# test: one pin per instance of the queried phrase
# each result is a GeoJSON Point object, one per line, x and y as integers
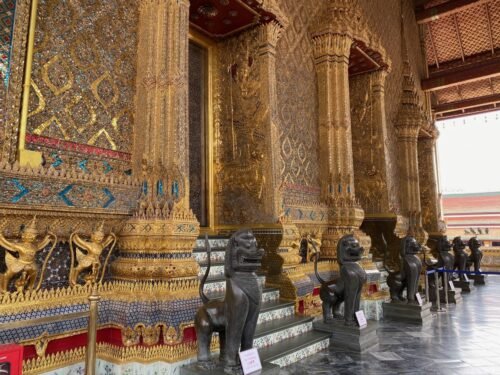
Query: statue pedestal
{"type": "Point", "coordinates": [404, 312]}
{"type": "Point", "coordinates": [478, 279]}
{"type": "Point", "coordinates": [466, 286]}
{"type": "Point", "coordinates": [193, 369]}
{"type": "Point", "coordinates": [454, 296]}
{"type": "Point", "coordinates": [350, 337]}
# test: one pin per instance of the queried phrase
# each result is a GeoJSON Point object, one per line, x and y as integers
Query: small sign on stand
{"type": "Point", "coordinates": [250, 361]}
{"type": "Point", "coordinates": [452, 286]}
{"type": "Point", "coordinates": [361, 318]}
{"type": "Point", "coordinates": [419, 299]}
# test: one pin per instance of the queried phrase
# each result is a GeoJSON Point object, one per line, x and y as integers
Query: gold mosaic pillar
{"type": "Point", "coordinates": [407, 130]}
{"type": "Point", "coordinates": [156, 244]}
{"type": "Point", "coordinates": [373, 164]}
{"type": "Point", "coordinates": [429, 190]}
{"type": "Point", "coordinates": [372, 169]}
{"type": "Point", "coordinates": [410, 120]}
{"type": "Point", "coordinates": [280, 240]}
{"type": "Point", "coordinates": [161, 136]}
{"type": "Point", "coordinates": [269, 35]}
{"type": "Point", "coordinates": [332, 42]}
{"type": "Point", "coordinates": [380, 125]}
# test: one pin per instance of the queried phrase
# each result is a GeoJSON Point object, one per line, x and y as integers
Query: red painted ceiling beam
{"type": "Point", "coordinates": [442, 10]}
{"type": "Point", "coordinates": [462, 74]}
{"type": "Point", "coordinates": [468, 103]}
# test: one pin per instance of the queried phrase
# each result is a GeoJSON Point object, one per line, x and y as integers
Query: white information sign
{"type": "Point", "coordinates": [452, 286]}
{"type": "Point", "coordinates": [361, 318]}
{"type": "Point", "coordinates": [419, 299]}
{"type": "Point", "coordinates": [250, 361]}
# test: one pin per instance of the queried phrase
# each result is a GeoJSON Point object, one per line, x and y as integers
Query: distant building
{"type": "Point", "coordinates": [469, 215]}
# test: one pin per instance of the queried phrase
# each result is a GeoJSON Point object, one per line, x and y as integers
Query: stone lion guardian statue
{"type": "Point", "coordinates": [235, 317]}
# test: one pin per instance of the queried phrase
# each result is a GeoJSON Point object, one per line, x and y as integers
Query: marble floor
{"type": "Point", "coordinates": [463, 340]}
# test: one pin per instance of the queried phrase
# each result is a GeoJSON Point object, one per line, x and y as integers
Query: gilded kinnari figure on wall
{"type": "Point", "coordinates": [19, 259]}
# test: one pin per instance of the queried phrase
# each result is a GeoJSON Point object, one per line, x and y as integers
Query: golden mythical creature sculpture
{"type": "Point", "coordinates": [20, 258]}
{"type": "Point", "coordinates": [87, 255]}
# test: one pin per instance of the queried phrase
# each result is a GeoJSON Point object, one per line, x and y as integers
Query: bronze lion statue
{"type": "Point", "coordinates": [347, 288]}
{"type": "Point", "coordinates": [235, 317]}
{"type": "Point", "coordinates": [476, 255]}
{"type": "Point", "coordinates": [460, 257]}
{"type": "Point", "coordinates": [408, 275]}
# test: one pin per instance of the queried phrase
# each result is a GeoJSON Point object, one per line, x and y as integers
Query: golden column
{"type": "Point", "coordinates": [408, 126]}
{"type": "Point", "coordinates": [410, 120]}
{"type": "Point", "coordinates": [380, 126]}
{"type": "Point", "coordinates": [429, 187]}
{"type": "Point", "coordinates": [90, 359]}
{"type": "Point", "coordinates": [281, 236]}
{"type": "Point", "coordinates": [374, 169]}
{"type": "Point", "coordinates": [269, 35]}
{"type": "Point", "coordinates": [156, 244]}
{"type": "Point", "coordinates": [332, 42]}
{"type": "Point", "coordinates": [161, 137]}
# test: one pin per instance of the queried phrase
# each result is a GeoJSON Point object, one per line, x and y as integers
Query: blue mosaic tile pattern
{"type": "Point", "coordinates": [33, 332]}
{"type": "Point", "coordinates": [35, 314]}
{"type": "Point", "coordinates": [58, 193]}
{"type": "Point", "coordinates": [121, 313]}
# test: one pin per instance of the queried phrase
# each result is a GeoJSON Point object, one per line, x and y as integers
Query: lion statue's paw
{"type": "Point", "coordinates": [206, 365]}
{"type": "Point", "coordinates": [233, 370]}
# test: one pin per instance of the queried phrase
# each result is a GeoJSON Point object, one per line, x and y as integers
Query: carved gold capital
{"type": "Point", "coordinates": [272, 7]}
{"type": "Point", "coordinates": [341, 17]}
{"type": "Point", "coordinates": [409, 124]}
{"type": "Point", "coordinates": [328, 44]}
{"type": "Point", "coordinates": [378, 79]}
{"type": "Point", "coordinates": [269, 34]}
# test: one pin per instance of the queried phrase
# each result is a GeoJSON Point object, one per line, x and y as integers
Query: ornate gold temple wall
{"type": "Point", "coordinates": [241, 156]}
{"type": "Point", "coordinates": [240, 138]}
{"type": "Point", "coordinates": [79, 117]}
{"type": "Point", "coordinates": [12, 89]}
{"type": "Point", "coordinates": [298, 112]}
{"type": "Point", "coordinates": [93, 92]}
{"type": "Point", "coordinates": [384, 18]}
{"type": "Point", "coordinates": [83, 85]}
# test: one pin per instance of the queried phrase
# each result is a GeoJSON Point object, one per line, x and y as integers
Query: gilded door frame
{"type": "Point", "coordinates": [210, 46]}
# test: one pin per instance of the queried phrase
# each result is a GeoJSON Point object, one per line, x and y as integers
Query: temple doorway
{"type": "Point", "coordinates": [198, 132]}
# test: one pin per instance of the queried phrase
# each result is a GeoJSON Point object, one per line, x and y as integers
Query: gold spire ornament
{"type": "Point", "coordinates": [20, 260]}
{"type": "Point", "coordinates": [87, 254]}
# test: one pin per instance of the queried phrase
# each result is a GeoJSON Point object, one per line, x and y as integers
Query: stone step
{"type": "Point", "coordinates": [275, 310]}
{"type": "Point", "coordinates": [217, 284]}
{"type": "Point", "coordinates": [216, 256]}
{"type": "Point", "coordinates": [296, 348]}
{"type": "Point", "coordinates": [220, 242]}
{"type": "Point", "coordinates": [268, 295]}
{"type": "Point", "coordinates": [216, 270]}
{"type": "Point", "coordinates": [277, 330]}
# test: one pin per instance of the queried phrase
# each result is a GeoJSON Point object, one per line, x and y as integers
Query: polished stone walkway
{"type": "Point", "coordinates": [463, 340]}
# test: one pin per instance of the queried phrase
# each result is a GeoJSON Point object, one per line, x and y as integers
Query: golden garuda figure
{"type": "Point", "coordinates": [88, 253]}
{"type": "Point", "coordinates": [20, 259]}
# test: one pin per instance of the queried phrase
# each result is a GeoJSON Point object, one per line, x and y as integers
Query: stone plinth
{"type": "Point", "coordinates": [350, 337]}
{"type": "Point", "coordinates": [478, 279]}
{"type": "Point", "coordinates": [409, 313]}
{"type": "Point", "coordinates": [454, 296]}
{"type": "Point", "coordinates": [193, 369]}
{"type": "Point", "coordinates": [466, 286]}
